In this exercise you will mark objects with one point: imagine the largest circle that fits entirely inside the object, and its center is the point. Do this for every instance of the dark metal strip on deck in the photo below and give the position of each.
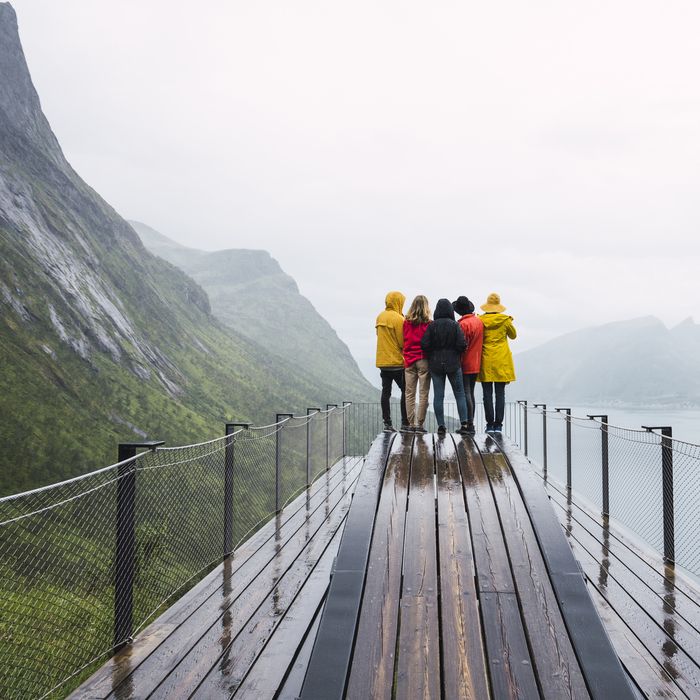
(601, 668)
(328, 668)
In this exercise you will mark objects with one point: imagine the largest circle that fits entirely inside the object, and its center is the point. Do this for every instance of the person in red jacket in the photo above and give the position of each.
(416, 369)
(473, 328)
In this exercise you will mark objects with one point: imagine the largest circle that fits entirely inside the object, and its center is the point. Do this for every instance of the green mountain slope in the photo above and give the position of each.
(251, 293)
(100, 340)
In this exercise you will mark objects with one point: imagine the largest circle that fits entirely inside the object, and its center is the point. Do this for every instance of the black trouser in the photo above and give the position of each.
(469, 384)
(388, 376)
(494, 420)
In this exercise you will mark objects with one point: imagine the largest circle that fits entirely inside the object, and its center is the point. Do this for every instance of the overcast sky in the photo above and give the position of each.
(549, 151)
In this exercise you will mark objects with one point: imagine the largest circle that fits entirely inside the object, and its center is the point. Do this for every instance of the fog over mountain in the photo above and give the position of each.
(639, 362)
(100, 340)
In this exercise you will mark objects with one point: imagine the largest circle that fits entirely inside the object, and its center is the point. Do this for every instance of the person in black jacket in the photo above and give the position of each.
(443, 345)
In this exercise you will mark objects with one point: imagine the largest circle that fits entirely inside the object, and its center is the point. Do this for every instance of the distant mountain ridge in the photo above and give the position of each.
(251, 293)
(638, 362)
(101, 341)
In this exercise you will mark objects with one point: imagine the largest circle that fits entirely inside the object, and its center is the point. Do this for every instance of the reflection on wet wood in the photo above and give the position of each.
(372, 672)
(418, 668)
(464, 670)
(555, 658)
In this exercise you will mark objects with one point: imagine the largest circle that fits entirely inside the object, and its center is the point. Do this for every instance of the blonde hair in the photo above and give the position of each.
(419, 311)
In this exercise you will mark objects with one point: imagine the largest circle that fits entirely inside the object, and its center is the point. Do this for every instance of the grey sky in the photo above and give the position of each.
(546, 150)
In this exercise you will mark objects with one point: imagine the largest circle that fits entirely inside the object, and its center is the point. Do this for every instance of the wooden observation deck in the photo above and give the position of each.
(432, 567)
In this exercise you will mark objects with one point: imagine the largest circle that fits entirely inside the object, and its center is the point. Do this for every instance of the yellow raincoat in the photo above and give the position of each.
(496, 358)
(389, 327)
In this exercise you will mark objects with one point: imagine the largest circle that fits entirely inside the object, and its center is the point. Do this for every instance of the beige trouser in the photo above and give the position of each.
(417, 374)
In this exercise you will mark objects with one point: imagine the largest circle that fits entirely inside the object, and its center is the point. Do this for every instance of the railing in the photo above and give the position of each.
(87, 563)
(644, 479)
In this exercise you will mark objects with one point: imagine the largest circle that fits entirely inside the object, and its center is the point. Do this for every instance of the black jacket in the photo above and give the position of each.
(444, 342)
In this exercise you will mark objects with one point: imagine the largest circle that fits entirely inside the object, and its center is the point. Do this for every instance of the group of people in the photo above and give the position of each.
(414, 350)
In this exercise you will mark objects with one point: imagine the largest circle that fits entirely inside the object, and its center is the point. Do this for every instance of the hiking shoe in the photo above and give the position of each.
(497, 429)
(389, 428)
(419, 429)
(407, 429)
(490, 428)
(463, 429)
(442, 430)
(470, 428)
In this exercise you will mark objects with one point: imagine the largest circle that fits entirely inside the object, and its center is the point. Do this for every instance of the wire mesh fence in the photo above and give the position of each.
(644, 479)
(88, 563)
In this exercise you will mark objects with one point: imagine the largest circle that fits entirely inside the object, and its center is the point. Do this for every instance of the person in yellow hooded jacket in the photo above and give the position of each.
(497, 368)
(389, 327)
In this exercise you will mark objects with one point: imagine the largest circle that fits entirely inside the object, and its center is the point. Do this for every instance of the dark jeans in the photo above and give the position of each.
(388, 377)
(494, 420)
(439, 394)
(469, 385)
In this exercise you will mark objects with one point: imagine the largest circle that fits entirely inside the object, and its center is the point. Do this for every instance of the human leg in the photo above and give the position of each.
(469, 386)
(438, 380)
(457, 384)
(487, 388)
(410, 382)
(500, 388)
(469, 398)
(399, 379)
(423, 391)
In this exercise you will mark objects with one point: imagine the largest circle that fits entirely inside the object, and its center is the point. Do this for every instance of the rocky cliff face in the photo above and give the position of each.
(101, 341)
(251, 293)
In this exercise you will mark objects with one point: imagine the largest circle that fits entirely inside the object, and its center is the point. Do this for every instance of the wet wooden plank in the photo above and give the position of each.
(123, 664)
(464, 667)
(553, 655)
(329, 665)
(212, 622)
(418, 667)
(650, 678)
(193, 666)
(372, 670)
(507, 655)
(284, 655)
(650, 570)
(291, 690)
(305, 582)
(655, 636)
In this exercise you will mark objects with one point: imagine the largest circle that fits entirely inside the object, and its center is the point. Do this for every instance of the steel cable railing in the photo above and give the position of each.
(88, 563)
(644, 479)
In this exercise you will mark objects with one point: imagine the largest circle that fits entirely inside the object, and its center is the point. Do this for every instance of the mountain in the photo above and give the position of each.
(636, 362)
(251, 293)
(100, 340)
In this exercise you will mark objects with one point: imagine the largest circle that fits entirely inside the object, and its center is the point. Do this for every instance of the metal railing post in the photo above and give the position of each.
(309, 411)
(524, 405)
(345, 427)
(125, 549)
(228, 485)
(567, 417)
(278, 461)
(543, 406)
(604, 462)
(667, 490)
(329, 407)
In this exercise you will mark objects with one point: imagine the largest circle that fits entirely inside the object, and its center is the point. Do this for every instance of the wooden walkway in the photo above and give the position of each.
(449, 573)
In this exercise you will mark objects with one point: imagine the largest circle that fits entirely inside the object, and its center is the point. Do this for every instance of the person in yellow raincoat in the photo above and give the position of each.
(389, 327)
(497, 368)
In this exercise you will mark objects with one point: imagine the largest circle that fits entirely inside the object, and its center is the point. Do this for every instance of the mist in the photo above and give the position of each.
(546, 151)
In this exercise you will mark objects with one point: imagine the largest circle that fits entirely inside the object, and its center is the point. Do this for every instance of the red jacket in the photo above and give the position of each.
(473, 328)
(412, 334)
